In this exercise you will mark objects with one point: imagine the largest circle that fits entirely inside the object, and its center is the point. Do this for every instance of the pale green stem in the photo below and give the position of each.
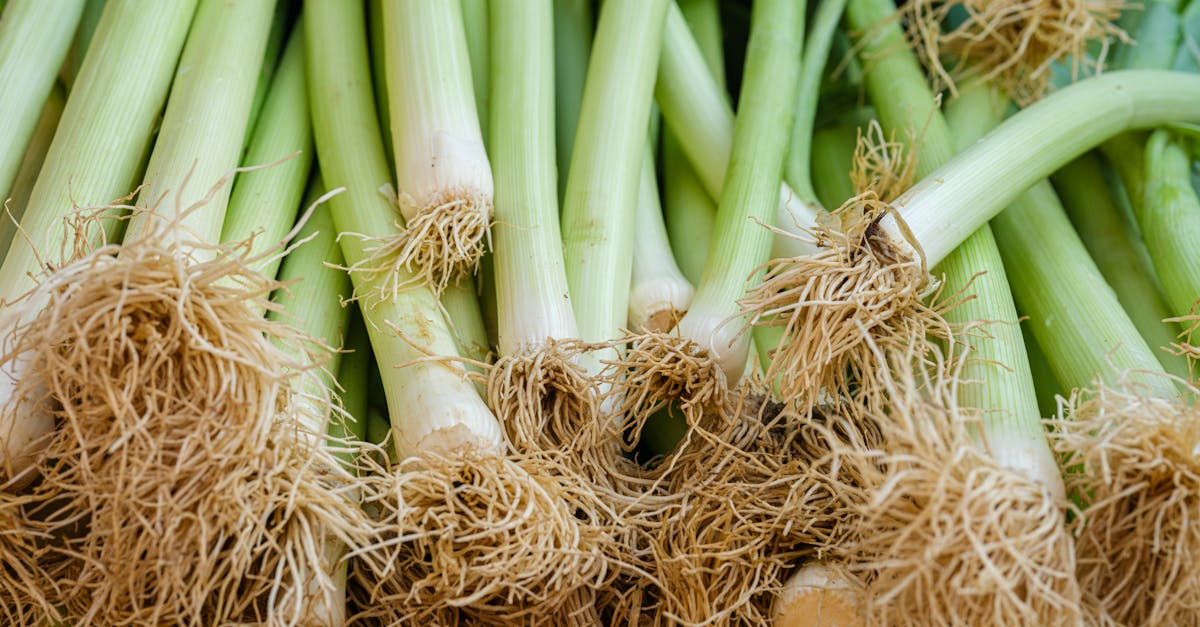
(819, 38)
(696, 110)
(658, 292)
(438, 143)
(378, 61)
(573, 30)
(690, 211)
(833, 155)
(92, 10)
(312, 302)
(281, 25)
(1074, 314)
(35, 156)
(105, 128)
(201, 138)
(264, 201)
(475, 26)
(34, 38)
(955, 200)
(602, 185)
(1170, 222)
(1089, 203)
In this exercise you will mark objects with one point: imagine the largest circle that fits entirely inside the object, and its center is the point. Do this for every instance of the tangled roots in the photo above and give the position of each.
(734, 507)
(947, 536)
(661, 369)
(444, 239)
(1188, 345)
(477, 538)
(1014, 44)
(1134, 468)
(548, 404)
(26, 586)
(862, 293)
(180, 485)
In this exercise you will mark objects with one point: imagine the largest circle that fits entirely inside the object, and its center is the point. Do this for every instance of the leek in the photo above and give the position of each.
(444, 182)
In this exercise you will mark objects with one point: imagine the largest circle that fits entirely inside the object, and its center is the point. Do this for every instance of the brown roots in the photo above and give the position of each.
(26, 585)
(444, 240)
(548, 404)
(1013, 44)
(861, 294)
(746, 494)
(179, 486)
(660, 369)
(1133, 465)
(945, 536)
(477, 538)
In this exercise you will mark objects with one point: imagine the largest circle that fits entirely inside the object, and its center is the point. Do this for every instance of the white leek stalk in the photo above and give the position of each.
(659, 294)
(444, 181)
(749, 195)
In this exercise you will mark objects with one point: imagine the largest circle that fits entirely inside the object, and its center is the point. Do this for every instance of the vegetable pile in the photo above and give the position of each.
(563, 312)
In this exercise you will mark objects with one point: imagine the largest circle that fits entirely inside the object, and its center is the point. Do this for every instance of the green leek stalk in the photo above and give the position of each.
(407, 328)
(1001, 382)
(690, 211)
(1050, 133)
(798, 168)
(750, 194)
(353, 377)
(475, 25)
(200, 142)
(833, 154)
(1170, 221)
(34, 38)
(443, 179)
(378, 60)
(926, 223)
(1153, 26)
(281, 26)
(696, 111)
(263, 201)
(531, 278)
(602, 185)
(442, 431)
(658, 294)
(92, 10)
(1074, 314)
(574, 26)
(35, 156)
(312, 302)
(103, 133)
(1094, 214)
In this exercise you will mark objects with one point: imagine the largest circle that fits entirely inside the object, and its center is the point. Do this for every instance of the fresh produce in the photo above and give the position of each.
(568, 312)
